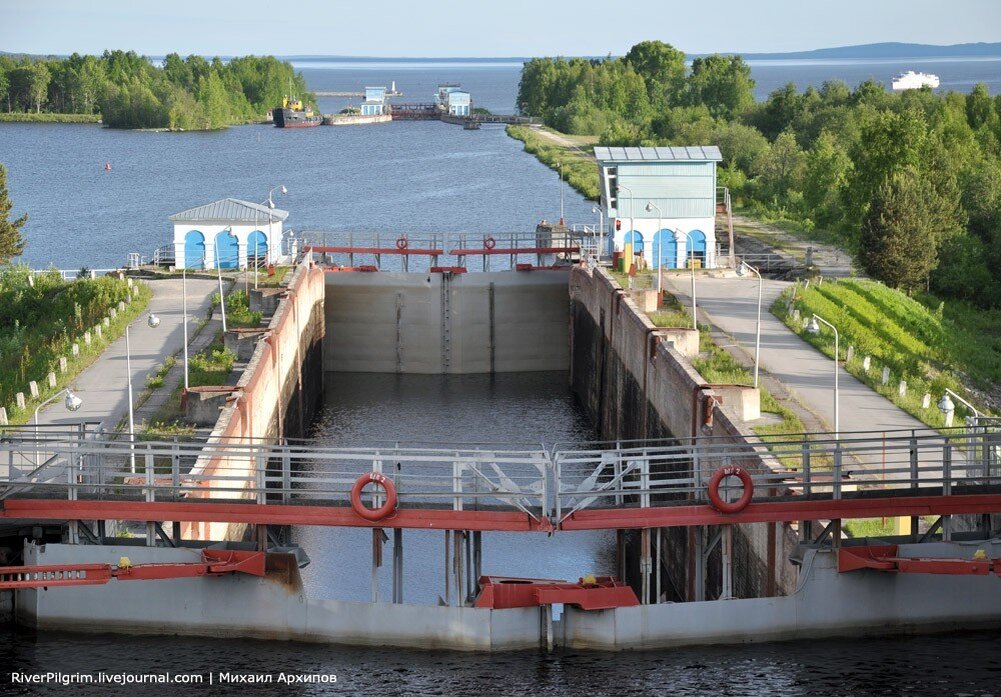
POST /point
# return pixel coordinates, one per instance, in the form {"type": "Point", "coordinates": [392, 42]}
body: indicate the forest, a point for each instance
{"type": "Point", "coordinates": [129, 91]}
{"type": "Point", "coordinates": [910, 182]}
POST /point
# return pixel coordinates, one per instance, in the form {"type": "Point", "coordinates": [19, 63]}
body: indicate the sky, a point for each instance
{"type": "Point", "coordinates": [445, 28]}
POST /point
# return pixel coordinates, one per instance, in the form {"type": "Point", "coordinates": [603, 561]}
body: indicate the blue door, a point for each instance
{"type": "Point", "coordinates": [227, 250]}
{"type": "Point", "coordinates": [257, 248]}
{"type": "Point", "coordinates": [635, 238]}
{"type": "Point", "coordinates": [698, 250]}
{"type": "Point", "coordinates": [665, 250]}
{"type": "Point", "coordinates": [194, 250]}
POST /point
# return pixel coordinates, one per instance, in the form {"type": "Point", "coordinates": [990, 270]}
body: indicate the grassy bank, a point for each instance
{"type": "Point", "coordinates": [45, 117]}
{"type": "Point", "coordinates": [41, 320]}
{"type": "Point", "coordinates": [951, 346]}
{"type": "Point", "coordinates": [579, 171]}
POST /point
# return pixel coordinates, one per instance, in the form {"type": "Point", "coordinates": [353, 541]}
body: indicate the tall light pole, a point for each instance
{"type": "Point", "coordinates": [218, 269]}
{"type": "Point", "coordinates": [742, 271]}
{"type": "Point", "coordinates": [72, 403]}
{"type": "Point", "coordinates": [153, 322]}
{"type": "Point", "coordinates": [184, 313]}
{"type": "Point", "coordinates": [271, 205]}
{"type": "Point", "coordinates": [947, 407]}
{"type": "Point", "coordinates": [560, 165]}
{"type": "Point", "coordinates": [601, 228]}
{"type": "Point", "coordinates": [814, 328]}
{"type": "Point", "coordinates": [691, 265]}
{"type": "Point", "coordinates": [650, 205]}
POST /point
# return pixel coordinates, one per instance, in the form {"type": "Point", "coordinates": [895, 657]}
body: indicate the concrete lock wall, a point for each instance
{"type": "Point", "coordinates": [635, 383]}
{"type": "Point", "coordinates": [391, 322]}
{"type": "Point", "coordinates": [238, 605]}
{"type": "Point", "coordinates": [277, 394]}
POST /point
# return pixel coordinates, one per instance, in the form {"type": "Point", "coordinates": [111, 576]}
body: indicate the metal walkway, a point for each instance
{"type": "Point", "coordinates": [82, 475]}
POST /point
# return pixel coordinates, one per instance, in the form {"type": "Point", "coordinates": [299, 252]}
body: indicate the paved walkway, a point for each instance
{"type": "Point", "coordinates": [102, 386]}
{"type": "Point", "coordinates": [731, 305]}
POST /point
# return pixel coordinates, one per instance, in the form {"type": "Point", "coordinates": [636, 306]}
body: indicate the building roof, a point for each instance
{"type": "Point", "coordinates": [228, 210]}
{"type": "Point", "coordinates": [691, 153]}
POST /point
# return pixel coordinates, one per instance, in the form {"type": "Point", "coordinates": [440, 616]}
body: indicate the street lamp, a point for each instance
{"type": "Point", "coordinates": [152, 321]}
{"type": "Point", "coordinates": [72, 403]}
{"type": "Point", "coordinates": [814, 328]}
{"type": "Point", "coordinates": [948, 407]}
{"type": "Point", "coordinates": [271, 204]}
{"type": "Point", "coordinates": [218, 269]}
{"type": "Point", "coordinates": [691, 265]}
{"type": "Point", "coordinates": [650, 205]}
{"type": "Point", "coordinates": [742, 270]}
{"type": "Point", "coordinates": [560, 165]}
{"type": "Point", "coordinates": [601, 228]}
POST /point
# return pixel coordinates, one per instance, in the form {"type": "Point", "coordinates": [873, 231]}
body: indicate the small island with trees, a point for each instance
{"type": "Point", "coordinates": [123, 89]}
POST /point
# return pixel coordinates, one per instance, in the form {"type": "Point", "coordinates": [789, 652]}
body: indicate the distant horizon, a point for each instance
{"type": "Point", "coordinates": [978, 49]}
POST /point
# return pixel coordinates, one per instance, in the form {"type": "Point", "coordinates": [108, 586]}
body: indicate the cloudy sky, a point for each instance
{"type": "Point", "coordinates": [482, 27]}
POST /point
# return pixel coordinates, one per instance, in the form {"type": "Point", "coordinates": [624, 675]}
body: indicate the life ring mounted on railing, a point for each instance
{"type": "Point", "coordinates": [382, 511]}
{"type": "Point", "coordinates": [489, 243]}
{"type": "Point", "coordinates": [402, 243]}
{"type": "Point", "coordinates": [740, 504]}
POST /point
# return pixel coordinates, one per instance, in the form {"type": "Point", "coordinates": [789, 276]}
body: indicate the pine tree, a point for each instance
{"type": "Point", "coordinates": [11, 243]}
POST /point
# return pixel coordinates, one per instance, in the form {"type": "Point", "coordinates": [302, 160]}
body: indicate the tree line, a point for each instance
{"type": "Point", "coordinates": [129, 91]}
{"type": "Point", "coordinates": [910, 181]}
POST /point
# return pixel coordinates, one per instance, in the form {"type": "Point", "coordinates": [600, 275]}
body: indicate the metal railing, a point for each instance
{"type": "Point", "coordinates": [543, 483]}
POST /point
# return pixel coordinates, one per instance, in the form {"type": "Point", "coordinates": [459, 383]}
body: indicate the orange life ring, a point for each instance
{"type": "Point", "coordinates": [382, 511]}
{"type": "Point", "coordinates": [489, 243]}
{"type": "Point", "coordinates": [402, 243]}
{"type": "Point", "coordinates": [730, 506]}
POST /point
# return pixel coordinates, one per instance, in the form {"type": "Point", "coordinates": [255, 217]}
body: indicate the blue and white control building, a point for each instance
{"type": "Point", "coordinates": [375, 101]}
{"type": "Point", "coordinates": [228, 233]}
{"type": "Point", "coordinates": [661, 202]}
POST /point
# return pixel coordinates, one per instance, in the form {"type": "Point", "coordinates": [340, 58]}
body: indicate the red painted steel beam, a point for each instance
{"type": "Point", "coordinates": [321, 249]}
{"type": "Point", "coordinates": [781, 511]}
{"type": "Point", "coordinates": [884, 558]}
{"type": "Point", "coordinates": [513, 250]}
{"type": "Point", "coordinates": [269, 514]}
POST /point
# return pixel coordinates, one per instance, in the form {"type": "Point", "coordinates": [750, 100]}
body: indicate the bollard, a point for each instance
{"type": "Point", "coordinates": [76, 350]}
{"type": "Point", "coordinates": [86, 338]}
{"type": "Point", "coordinates": [33, 388]}
{"type": "Point", "coordinates": [3, 416]}
{"type": "Point", "coordinates": [112, 312]}
{"type": "Point", "coordinates": [121, 306]}
{"type": "Point", "coordinates": [866, 362]}
{"type": "Point", "coordinates": [850, 354]}
{"type": "Point", "coordinates": [63, 367]}
{"type": "Point", "coordinates": [97, 331]}
{"type": "Point", "coordinates": [106, 322]}
{"type": "Point", "coordinates": [926, 401]}
{"type": "Point", "coordinates": [52, 379]}
{"type": "Point", "coordinates": [886, 375]}
{"type": "Point", "coordinates": [19, 400]}
{"type": "Point", "coordinates": [902, 388]}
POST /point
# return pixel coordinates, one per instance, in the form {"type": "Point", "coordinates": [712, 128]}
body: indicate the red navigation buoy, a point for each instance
{"type": "Point", "coordinates": [107, 166]}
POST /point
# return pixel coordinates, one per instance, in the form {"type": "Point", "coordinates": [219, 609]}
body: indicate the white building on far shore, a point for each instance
{"type": "Point", "coordinates": [229, 232]}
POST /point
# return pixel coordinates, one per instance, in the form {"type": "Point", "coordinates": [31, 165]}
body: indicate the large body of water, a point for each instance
{"type": "Point", "coordinates": [412, 177]}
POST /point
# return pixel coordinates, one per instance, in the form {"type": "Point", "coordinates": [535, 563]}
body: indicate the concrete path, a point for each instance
{"type": "Point", "coordinates": [829, 260]}
{"type": "Point", "coordinates": [731, 304]}
{"type": "Point", "coordinates": [102, 386]}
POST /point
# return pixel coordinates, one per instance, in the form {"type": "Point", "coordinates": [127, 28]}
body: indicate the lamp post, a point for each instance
{"type": "Point", "coordinates": [814, 328]}
{"type": "Point", "coordinates": [271, 205]}
{"type": "Point", "coordinates": [218, 269]}
{"type": "Point", "coordinates": [184, 313]}
{"type": "Point", "coordinates": [560, 165]}
{"type": "Point", "coordinates": [601, 228]}
{"type": "Point", "coordinates": [72, 403]}
{"type": "Point", "coordinates": [742, 271]}
{"type": "Point", "coordinates": [691, 266]}
{"type": "Point", "coordinates": [650, 205]}
{"type": "Point", "coordinates": [153, 322]}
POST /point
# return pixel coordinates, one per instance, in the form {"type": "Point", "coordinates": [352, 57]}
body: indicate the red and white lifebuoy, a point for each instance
{"type": "Point", "coordinates": [489, 243]}
{"type": "Point", "coordinates": [402, 243]}
{"type": "Point", "coordinates": [730, 506]}
{"type": "Point", "coordinates": [382, 511]}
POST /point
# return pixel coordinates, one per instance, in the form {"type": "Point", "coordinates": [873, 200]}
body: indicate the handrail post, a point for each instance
{"type": "Point", "coordinates": [149, 494]}
{"type": "Point", "coordinates": [806, 526]}
{"type": "Point", "coordinates": [947, 489]}
{"type": "Point", "coordinates": [914, 480]}
{"type": "Point", "coordinates": [286, 474]}
{"type": "Point", "coordinates": [836, 495]}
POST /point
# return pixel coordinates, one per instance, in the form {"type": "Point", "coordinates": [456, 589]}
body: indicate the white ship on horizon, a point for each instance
{"type": "Point", "coordinates": [911, 80]}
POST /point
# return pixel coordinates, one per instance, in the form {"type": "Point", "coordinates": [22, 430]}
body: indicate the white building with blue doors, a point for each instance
{"type": "Point", "coordinates": [228, 233]}
{"type": "Point", "coordinates": [375, 101]}
{"type": "Point", "coordinates": [460, 103]}
{"type": "Point", "coordinates": [661, 202]}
